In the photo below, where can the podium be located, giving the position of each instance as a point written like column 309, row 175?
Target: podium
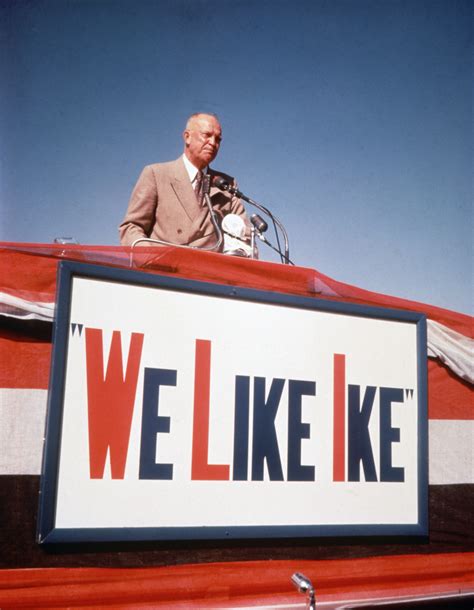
column 232, row 289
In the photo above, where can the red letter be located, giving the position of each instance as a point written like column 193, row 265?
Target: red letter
column 110, row 401
column 201, row 470
column 339, row 454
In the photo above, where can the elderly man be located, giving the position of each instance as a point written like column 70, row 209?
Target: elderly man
column 167, row 203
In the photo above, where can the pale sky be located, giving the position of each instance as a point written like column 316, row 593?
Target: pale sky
column 350, row 119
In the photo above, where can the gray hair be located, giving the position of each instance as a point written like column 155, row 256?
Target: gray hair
column 195, row 115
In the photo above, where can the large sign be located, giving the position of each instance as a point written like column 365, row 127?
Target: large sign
column 180, row 409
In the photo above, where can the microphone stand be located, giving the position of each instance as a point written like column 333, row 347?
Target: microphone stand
column 255, row 231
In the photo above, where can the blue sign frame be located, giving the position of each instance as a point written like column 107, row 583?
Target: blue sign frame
column 48, row 532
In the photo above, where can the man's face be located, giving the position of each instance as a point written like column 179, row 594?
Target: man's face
column 202, row 138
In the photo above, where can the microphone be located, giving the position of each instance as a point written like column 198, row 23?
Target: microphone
column 220, row 183
column 233, row 228
column 258, row 223
column 304, row 585
column 224, row 185
column 233, row 225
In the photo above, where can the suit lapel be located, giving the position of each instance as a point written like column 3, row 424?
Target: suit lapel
column 184, row 191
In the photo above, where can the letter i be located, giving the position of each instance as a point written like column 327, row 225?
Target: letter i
column 339, row 418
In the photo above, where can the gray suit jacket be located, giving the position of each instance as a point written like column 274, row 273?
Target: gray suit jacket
column 163, row 206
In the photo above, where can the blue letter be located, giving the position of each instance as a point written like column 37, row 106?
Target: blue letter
column 265, row 443
column 241, row 428
column 389, row 435
column 298, row 430
column 152, row 423
column 360, row 447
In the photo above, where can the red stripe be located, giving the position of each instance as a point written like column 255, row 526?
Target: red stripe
column 30, row 269
column 449, row 397
column 235, row 584
column 25, row 364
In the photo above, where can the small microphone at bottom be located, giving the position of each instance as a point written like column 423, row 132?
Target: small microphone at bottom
column 233, row 227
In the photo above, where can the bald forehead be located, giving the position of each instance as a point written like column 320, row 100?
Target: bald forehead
column 199, row 121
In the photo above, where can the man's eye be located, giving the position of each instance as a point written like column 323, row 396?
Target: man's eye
column 208, row 135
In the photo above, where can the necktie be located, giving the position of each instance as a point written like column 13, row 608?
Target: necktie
column 198, row 187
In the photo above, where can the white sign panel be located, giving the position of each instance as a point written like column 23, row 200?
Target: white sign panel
column 187, row 410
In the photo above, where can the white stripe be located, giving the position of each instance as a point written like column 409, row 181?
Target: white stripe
column 451, row 454
column 22, row 417
column 15, row 307
column 23, row 412
column 452, row 348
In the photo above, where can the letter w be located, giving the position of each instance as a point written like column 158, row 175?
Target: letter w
column 111, row 398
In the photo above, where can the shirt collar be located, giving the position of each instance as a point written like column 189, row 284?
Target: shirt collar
column 191, row 169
